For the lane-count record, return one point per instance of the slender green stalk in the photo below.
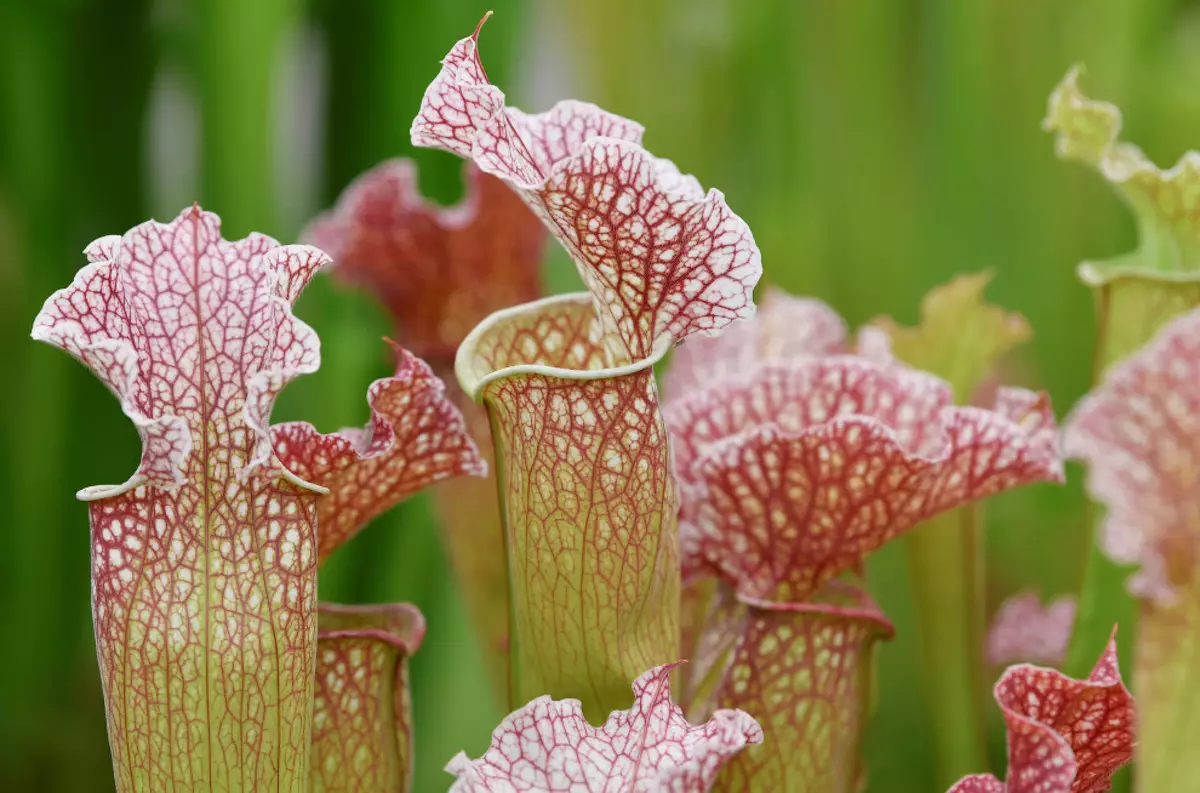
(51, 93)
(945, 564)
(1104, 599)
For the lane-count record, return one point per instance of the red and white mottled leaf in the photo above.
(362, 721)
(549, 746)
(783, 327)
(792, 475)
(1023, 630)
(415, 437)
(437, 270)
(978, 783)
(660, 257)
(1064, 735)
(1139, 433)
(203, 562)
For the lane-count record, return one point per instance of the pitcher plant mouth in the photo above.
(400, 625)
(585, 487)
(474, 373)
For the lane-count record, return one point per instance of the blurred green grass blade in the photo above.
(946, 571)
(861, 132)
(34, 82)
(236, 54)
(945, 555)
(898, 751)
(453, 706)
(70, 170)
(1103, 603)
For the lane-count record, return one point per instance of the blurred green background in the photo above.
(876, 148)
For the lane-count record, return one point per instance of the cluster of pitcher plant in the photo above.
(603, 533)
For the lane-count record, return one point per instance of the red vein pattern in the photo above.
(439, 271)
(1139, 434)
(791, 476)
(1024, 630)
(1064, 735)
(589, 502)
(362, 719)
(415, 437)
(804, 671)
(783, 327)
(549, 746)
(203, 562)
(660, 257)
(791, 472)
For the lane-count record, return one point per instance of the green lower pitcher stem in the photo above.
(945, 569)
(1104, 601)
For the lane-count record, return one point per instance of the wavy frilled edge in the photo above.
(791, 476)
(74, 319)
(437, 269)
(1064, 735)
(1137, 433)
(392, 183)
(1024, 630)
(548, 745)
(661, 257)
(1165, 203)
(960, 337)
(362, 723)
(783, 327)
(415, 437)
(473, 379)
